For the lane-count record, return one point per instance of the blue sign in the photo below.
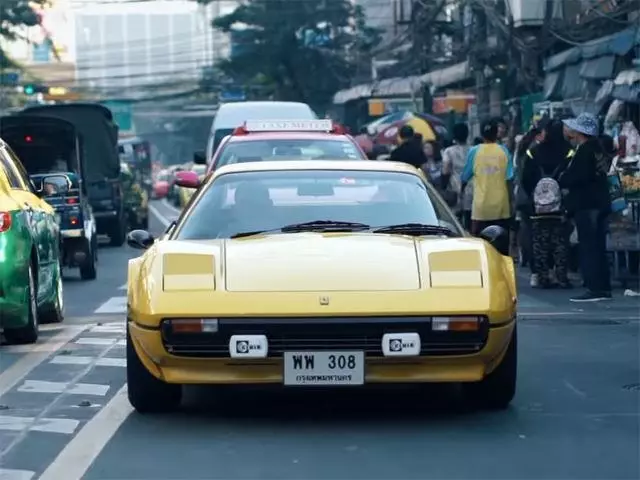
(232, 95)
(122, 114)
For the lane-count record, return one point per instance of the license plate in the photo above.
(323, 368)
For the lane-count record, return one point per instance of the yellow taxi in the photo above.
(319, 273)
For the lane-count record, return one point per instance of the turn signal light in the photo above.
(5, 221)
(73, 220)
(455, 324)
(194, 325)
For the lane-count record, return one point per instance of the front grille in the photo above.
(317, 334)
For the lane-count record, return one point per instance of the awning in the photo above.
(353, 93)
(447, 76)
(397, 86)
(624, 87)
(618, 44)
(627, 93)
(599, 68)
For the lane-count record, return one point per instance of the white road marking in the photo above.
(40, 386)
(113, 305)
(116, 327)
(8, 474)
(95, 341)
(76, 458)
(78, 360)
(35, 356)
(122, 287)
(166, 204)
(48, 425)
(161, 218)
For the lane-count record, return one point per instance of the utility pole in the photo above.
(477, 61)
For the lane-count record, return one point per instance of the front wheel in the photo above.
(29, 332)
(118, 233)
(147, 394)
(497, 389)
(88, 270)
(54, 312)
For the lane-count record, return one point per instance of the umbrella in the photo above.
(389, 134)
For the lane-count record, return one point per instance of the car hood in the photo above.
(321, 262)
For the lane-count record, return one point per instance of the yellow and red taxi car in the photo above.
(319, 273)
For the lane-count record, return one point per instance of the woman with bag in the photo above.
(540, 184)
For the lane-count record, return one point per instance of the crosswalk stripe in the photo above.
(109, 328)
(113, 305)
(46, 425)
(41, 386)
(9, 474)
(96, 341)
(79, 360)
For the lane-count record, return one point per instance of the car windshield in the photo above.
(245, 202)
(287, 149)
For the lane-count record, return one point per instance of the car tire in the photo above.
(147, 394)
(54, 312)
(118, 234)
(88, 270)
(496, 390)
(28, 333)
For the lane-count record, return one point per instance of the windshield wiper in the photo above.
(324, 225)
(416, 229)
(316, 225)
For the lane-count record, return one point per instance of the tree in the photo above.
(303, 50)
(13, 15)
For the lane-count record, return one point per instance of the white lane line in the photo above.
(161, 218)
(122, 287)
(78, 360)
(48, 425)
(77, 457)
(41, 386)
(113, 305)
(113, 327)
(166, 204)
(95, 341)
(38, 353)
(8, 474)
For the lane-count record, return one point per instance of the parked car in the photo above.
(30, 272)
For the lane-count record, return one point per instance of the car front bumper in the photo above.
(211, 368)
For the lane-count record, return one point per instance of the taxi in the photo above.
(319, 273)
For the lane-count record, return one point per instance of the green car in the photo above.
(136, 199)
(30, 272)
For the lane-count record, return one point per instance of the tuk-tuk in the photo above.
(136, 200)
(135, 153)
(50, 150)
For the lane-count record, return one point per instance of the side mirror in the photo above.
(187, 179)
(496, 236)
(48, 185)
(200, 158)
(140, 239)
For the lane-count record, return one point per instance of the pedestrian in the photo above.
(453, 161)
(477, 141)
(433, 166)
(539, 181)
(409, 150)
(491, 167)
(586, 195)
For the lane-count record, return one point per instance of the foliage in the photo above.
(14, 14)
(302, 50)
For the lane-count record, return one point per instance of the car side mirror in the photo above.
(187, 179)
(200, 158)
(496, 236)
(140, 239)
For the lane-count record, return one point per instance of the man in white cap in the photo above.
(586, 198)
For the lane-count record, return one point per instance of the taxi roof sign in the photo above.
(288, 126)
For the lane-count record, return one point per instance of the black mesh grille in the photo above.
(317, 334)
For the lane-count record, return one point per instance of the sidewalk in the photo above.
(534, 302)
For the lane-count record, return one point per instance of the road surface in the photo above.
(64, 413)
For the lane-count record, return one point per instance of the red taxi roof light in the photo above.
(241, 130)
(338, 129)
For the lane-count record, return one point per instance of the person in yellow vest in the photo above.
(491, 167)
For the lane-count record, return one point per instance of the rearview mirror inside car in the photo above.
(315, 190)
(187, 179)
(140, 239)
(200, 158)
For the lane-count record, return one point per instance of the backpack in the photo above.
(547, 196)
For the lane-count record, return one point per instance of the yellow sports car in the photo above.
(184, 194)
(319, 273)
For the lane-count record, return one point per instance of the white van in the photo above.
(232, 115)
